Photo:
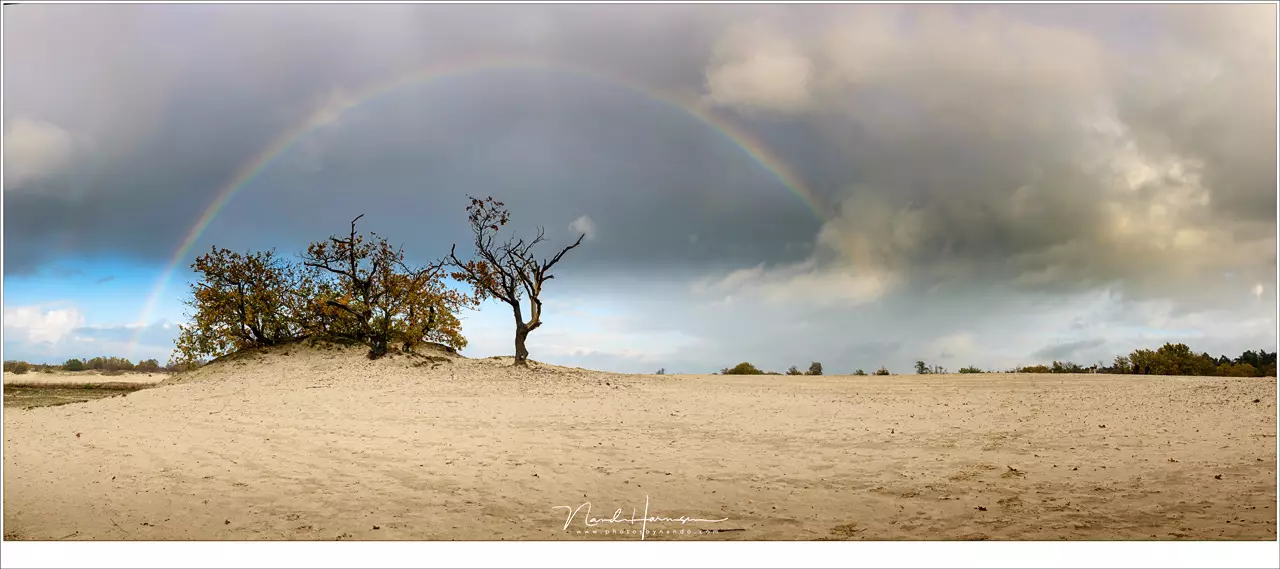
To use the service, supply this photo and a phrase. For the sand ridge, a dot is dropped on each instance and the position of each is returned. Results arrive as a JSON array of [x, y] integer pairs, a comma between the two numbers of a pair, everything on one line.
[[312, 443]]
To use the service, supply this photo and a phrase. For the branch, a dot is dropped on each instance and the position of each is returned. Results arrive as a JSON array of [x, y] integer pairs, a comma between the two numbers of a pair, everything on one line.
[[547, 265]]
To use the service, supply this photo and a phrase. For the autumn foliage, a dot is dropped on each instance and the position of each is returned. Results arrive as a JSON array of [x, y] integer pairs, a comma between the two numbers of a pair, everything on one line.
[[241, 301], [353, 288]]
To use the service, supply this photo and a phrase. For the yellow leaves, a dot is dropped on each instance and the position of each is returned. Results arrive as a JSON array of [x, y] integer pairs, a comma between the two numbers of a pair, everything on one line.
[[349, 287]]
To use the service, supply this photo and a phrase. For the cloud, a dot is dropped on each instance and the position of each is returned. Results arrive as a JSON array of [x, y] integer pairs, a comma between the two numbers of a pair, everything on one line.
[[40, 324], [34, 149], [956, 345], [584, 225], [999, 147], [756, 67], [1066, 350], [105, 280], [46, 335], [1030, 176], [797, 283]]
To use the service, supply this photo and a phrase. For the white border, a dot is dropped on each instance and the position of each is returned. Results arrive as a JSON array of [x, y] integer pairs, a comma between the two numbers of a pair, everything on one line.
[[634, 554], [643, 554]]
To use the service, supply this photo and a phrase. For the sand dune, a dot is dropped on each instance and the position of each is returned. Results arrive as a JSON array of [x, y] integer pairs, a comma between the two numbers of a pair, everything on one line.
[[304, 443]]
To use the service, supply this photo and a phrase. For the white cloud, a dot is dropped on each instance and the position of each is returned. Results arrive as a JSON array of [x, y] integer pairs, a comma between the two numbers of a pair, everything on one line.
[[958, 345], [34, 149], [584, 225], [36, 324], [804, 282], [756, 67]]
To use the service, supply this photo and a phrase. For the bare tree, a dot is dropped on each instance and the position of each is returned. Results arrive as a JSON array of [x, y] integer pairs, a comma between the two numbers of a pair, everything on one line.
[[507, 271]]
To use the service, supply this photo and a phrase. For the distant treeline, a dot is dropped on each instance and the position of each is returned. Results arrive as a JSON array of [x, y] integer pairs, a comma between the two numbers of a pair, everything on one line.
[[1173, 359], [1169, 359], [110, 364]]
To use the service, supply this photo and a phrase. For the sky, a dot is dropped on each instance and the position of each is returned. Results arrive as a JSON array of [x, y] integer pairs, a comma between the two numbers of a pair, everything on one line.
[[860, 185]]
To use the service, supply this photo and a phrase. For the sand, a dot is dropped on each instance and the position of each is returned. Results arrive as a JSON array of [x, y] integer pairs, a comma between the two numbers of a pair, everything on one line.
[[83, 377], [322, 444]]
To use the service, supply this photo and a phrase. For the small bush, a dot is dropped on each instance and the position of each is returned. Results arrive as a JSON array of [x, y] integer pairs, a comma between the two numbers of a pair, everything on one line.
[[815, 368], [793, 370], [971, 369], [17, 367], [1237, 370], [882, 371], [744, 368], [859, 372], [661, 371], [1034, 369], [73, 364]]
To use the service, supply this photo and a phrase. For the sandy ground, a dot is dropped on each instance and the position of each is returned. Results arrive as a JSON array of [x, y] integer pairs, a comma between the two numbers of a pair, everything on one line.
[[82, 377], [327, 445]]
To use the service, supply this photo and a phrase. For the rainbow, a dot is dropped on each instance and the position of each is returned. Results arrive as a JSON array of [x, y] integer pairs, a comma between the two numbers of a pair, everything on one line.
[[330, 112]]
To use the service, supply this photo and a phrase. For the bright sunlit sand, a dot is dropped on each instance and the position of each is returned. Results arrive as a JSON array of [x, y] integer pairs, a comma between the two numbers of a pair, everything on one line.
[[323, 444]]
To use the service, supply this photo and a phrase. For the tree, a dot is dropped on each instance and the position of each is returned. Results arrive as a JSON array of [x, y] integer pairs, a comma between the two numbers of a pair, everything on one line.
[[661, 371], [815, 368], [240, 301], [365, 291], [1122, 365], [921, 367], [73, 364], [148, 365], [508, 271], [793, 370]]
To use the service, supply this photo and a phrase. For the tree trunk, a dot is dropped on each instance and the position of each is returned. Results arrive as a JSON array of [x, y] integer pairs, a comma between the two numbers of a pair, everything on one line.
[[522, 354]]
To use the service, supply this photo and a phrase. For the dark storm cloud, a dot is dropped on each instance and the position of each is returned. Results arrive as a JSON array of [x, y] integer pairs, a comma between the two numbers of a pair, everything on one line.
[[1032, 147], [1000, 179], [182, 110]]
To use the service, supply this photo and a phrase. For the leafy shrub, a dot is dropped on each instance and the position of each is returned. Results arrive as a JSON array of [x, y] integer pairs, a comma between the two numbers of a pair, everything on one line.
[[661, 371], [971, 369], [17, 367], [793, 370], [1034, 369], [815, 368], [859, 372], [744, 368], [73, 364], [1237, 370], [1066, 367], [882, 371]]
